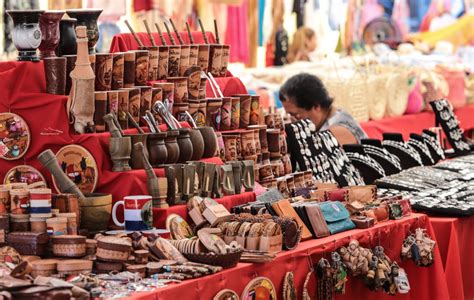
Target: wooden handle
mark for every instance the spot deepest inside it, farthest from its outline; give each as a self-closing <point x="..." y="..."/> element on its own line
<point x="203" y="32"/>
<point x="216" y="32"/>
<point x="150" y="36"/>
<point x="134" y="123"/>
<point x="134" y="34"/>
<point x="169" y="33"/>
<point x="191" y="40"/>
<point x="163" y="41"/>
<point x="180" y="39"/>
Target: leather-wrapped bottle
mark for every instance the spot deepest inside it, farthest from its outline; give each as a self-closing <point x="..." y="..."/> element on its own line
<point x="81" y="97"/>
<point x="65" y="185"/>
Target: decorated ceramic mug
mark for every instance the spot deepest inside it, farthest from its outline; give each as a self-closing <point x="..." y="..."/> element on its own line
<point x="137" y="213"/>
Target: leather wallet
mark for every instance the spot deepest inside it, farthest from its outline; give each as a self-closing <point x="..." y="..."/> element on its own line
<point x="301" y="211"/>
<point x="336" y="195"/>
<point x="326" y="185"/>
<point x="406" y="207"/>
<point x="395" y="211"/>
<point x="316" y="218"/>
<point x="337" y="217"/>
<point x="370" y="213"/>
<point x="364" y="194"/>
<point x="354" y="207"/>
<point x="318" y="195"/>
<point x="363" y="222"/>
<point x="381" y="213"/>
<point x="284" y="208"/>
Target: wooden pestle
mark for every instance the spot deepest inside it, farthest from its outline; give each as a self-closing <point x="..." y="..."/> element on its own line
<point x="134" y="123"/>
<point x="114" y="130"/>
<point x="65" y="185"/>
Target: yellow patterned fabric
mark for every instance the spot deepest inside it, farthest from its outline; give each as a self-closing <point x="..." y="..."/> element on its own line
<point x="459" y="33"/>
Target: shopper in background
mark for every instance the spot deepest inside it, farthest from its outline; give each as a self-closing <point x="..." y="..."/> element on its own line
<point x="304" y="42"/>
<point x="304" y="97"/>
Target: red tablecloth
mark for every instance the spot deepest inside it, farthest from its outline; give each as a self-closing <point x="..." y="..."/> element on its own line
<point x="456" y="244"/>
<point x="125" y="41"/>
<point x="415" y="123"/>
<point x="160" y="214"/>
<point x="426" y="282"/>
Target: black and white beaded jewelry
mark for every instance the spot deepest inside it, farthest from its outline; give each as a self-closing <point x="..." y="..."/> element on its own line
<point x="384" y="154"/>
<point x="404" y="148"/>
<point x="367" y="161"/>
<point x="433" y="143"/>
<point x="422" y="147"/>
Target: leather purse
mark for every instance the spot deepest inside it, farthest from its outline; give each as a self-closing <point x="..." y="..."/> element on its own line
<point x="316" y="218"/>
<point x="406" y="207"/>
<point x="284" y="208"/>
<point x="354" y="207"/>
<point x="336" y="195"/>
<point x="370" y="213"/>
<point x="381" y="213"/>
<point x="336" y="216"/>
<point x="364" y="194"/>
<point x="318" y="195"/>
<point x="301" y="211"/>
<point x="363" y="222"/>
<point x="395" y="211"/>
<point x="326" y="185"/>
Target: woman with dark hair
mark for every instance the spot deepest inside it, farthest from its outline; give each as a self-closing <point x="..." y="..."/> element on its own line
<point x="304" y="97"/>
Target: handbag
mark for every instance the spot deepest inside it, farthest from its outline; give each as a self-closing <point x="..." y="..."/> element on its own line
<point x="336" y="216"/>
<point x="381" y="213"/>
<point x="336" y="195"/>
<point x="406" y="207"/>
<point x="364" y="194"/>
<point x="395" y="211"/>
<point x="316" y="218"/>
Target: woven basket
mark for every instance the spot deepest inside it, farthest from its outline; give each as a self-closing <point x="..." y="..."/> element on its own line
<point x="376" y="92"/>
<point x="397" y="91"/>
<point x="69" y="250"/>
<point x="111" y="255"/>
<point x="357" y="99"/>
<point x="469" y="88"/>
<point x="223" y="260"/>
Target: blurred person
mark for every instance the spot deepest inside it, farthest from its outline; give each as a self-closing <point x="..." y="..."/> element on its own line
<point x="304" y="42"/>
<point x="304" y="97"/>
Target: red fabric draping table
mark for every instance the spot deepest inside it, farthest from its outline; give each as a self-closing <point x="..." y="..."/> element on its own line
<point x="125" y="41"/>
<point x="415" y="123"/>
<point x="456" y="244"/>
<point x="426" y="282"/>
<point x="23" y="92"/>
<point x="160" y="214"/>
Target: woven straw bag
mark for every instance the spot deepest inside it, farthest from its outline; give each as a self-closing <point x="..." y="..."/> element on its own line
<point x="376" y="93"/>
<point x="358" y="102"/>
<point x="397" y="91"/>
